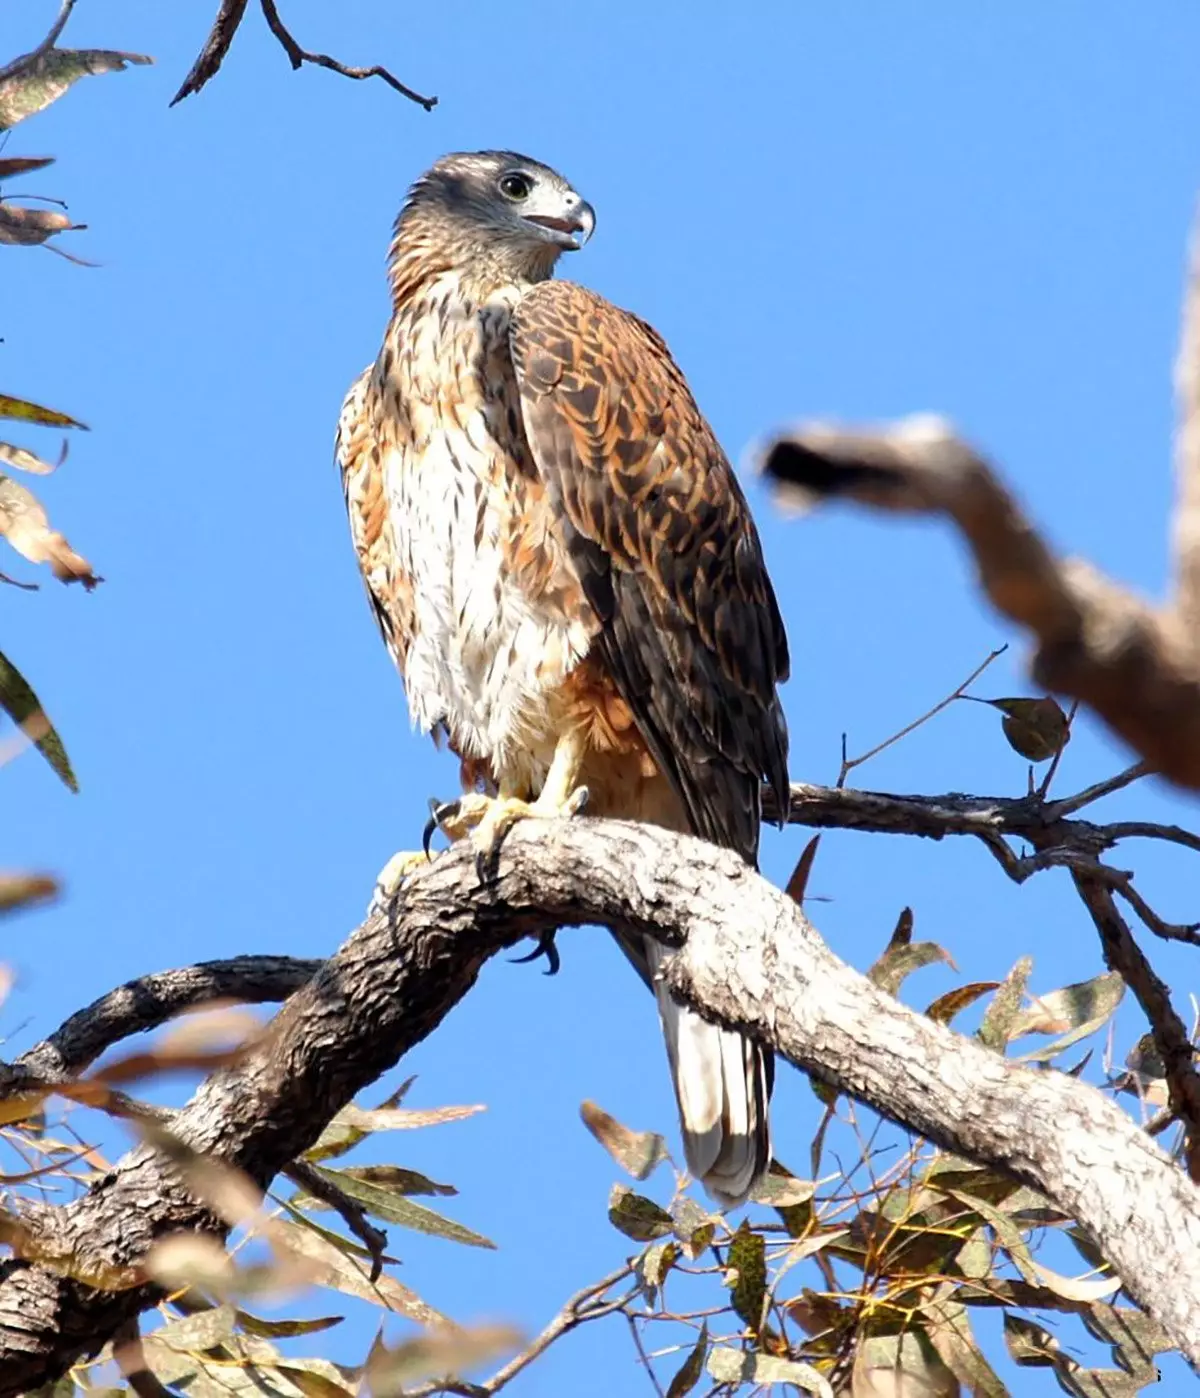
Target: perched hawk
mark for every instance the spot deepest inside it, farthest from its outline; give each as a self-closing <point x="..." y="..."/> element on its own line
<point x="565" y="570"/>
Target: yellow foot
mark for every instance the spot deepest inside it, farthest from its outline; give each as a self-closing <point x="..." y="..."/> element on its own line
<point x="391" y="877"/>
<point x="487" y="819"/>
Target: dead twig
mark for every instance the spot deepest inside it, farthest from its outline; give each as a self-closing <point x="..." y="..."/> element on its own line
<point x="375" y="1240"/>
<point x="849" y="764"/>
<point x="585" y="1305"/>
<point x="216" y="46"/>
<point x="298" y="56"/>
<point x="1171" y="1038"/>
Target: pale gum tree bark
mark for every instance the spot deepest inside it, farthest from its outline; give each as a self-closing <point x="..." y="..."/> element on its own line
<point x="745" y="954"/>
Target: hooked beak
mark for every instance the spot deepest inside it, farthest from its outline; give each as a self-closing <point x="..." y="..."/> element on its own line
<point x="573" y="228"/>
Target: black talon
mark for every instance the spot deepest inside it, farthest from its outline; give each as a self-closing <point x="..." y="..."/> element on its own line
<point x="546" y="948"/>
<point x="438" y="812"/>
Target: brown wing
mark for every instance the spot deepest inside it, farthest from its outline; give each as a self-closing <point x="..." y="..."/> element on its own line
<point x="666" y="551"/>
<point x="359" y="458"/>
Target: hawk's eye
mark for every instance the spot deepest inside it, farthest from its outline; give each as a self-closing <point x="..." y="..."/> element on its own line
<point x="515" y="185"/>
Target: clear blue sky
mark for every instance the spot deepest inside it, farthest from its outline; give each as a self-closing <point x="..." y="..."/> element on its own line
<point x="841" y="210"/>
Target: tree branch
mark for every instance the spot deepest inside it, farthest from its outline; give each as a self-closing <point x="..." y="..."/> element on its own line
<point x="225" y="26"/>
<point x="1136" y="667"/>
<point x="147" y="1002"/>
<point x="1171" y="1038"/>
<point x="298" y="56"/>
<point x="587" y="1304"/>
<point x="750" y="959"/>
<point x="216" y="46"/>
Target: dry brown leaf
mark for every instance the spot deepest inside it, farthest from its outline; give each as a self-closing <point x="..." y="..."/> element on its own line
<point x="36" y="79"/>
<point x="444" y="1352"/>
<point x="23" y="165"/>
<point x="24" y="227"/>
<point x="24" y="523"/>
<point x="638" y="1152"/>
<point x="18" y="891"/>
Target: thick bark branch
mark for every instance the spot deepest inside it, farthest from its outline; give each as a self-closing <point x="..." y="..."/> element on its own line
<point x="750" y="958"/>
<point x="1138" y="668"/>
<point x="145" y="1003"/>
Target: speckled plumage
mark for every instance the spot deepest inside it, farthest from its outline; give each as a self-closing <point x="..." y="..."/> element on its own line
<point x="555" y="545"/>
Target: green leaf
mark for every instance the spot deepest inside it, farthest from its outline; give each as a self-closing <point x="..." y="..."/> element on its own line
<point x="1002" y="1014"/>
<point x="780" y="1190"/>
<point x="637" y="1152"/>
<point x="949" y="1329"/>
<point x="906" y="1363"/>
<point x="34" y="80"/>
<point x="654" y="1264"/>
<point x="900" y="960"/>
<point x="1134" y="1337"/>
<point x="688" y="1375"/>
<point x="336" y="1267"/>
<point x="395" y="1208"/>
<point x="1029" y="1344"/>
<point x="1009" y="1235"/>
<point x="399" y="1180"/>
<point x="201" y="1331"/>
<point x="336" y="1240"/>
<point x="353" y="1124"/>
<point x="692" y="1225"/>
<point x="735" y="1366"/>
<point x="311" y="1383"/>
<point x="637" y="1217"/>
<point x="24" y="411"/>
<point x="748" y="1261"/>
<point x="22" y="705"/>
<point x="57" y="1388"/>
<point x="280" y="1329"/>
<point x="1035" y="728"/>
<point x="1073" y="1013"/>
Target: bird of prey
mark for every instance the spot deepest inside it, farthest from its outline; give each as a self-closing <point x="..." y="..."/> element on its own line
<point x="566" y="572"/>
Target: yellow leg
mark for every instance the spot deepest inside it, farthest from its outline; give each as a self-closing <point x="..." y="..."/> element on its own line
<point x="489" y="818"/>
<point x="391" y="877"/>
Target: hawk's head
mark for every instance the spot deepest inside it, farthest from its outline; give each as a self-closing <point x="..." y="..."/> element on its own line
<point x="500" y="206"/>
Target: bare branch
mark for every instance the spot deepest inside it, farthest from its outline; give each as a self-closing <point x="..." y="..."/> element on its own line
<point x="849" y="763"/>
<point x="1168" y="931"/>
<point x="772" y="976"/>
<point x="1135" y="667"/>
<point x="298" y="56"/>
<point x="216" y="46"/>
<point x="587" y="1304"/>
<point x="1069" y="804"/>
<point x="147" y="1002"/>
<point x="355" y="1216"/>
<point x="1187" y="449"/>
<point x="56" y="29"/>
<point x="1171" y="1038"/>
